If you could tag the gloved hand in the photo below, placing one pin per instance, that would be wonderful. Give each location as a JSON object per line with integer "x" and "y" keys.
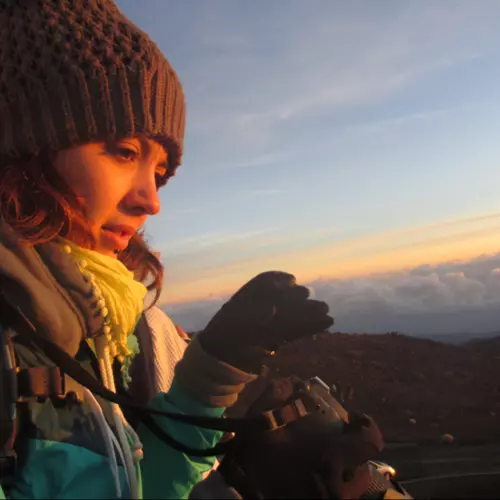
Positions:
{"x": 269, "y": 310}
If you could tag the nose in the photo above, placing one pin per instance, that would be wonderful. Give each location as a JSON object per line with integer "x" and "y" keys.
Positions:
{"x": 151, "y": 203}
{"x": 143, "y": 199}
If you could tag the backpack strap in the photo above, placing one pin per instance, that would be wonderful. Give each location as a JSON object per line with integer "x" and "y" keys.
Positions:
{"x": 8, "y": 413}
{"x": 74, "y": 370}
{"x": 18, "y": 386}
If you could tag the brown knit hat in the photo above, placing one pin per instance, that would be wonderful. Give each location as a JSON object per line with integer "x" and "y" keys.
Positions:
{"x": 77, "y": 71}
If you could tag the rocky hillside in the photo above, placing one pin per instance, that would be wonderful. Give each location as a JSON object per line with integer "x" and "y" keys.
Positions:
{"x": 416, "y": 389}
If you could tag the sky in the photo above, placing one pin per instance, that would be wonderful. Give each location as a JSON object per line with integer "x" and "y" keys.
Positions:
{"x": 349, "y": 143}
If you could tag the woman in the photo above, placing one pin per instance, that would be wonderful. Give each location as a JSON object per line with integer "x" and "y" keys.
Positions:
{"x": 91, "y": 126}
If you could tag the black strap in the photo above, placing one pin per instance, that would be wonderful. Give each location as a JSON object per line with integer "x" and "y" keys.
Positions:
{"x": 8, "y": 468}
{"x": 8, "y": 416}
{"x": 143, "y": 384}
{"x": 73, "y": 368}
{"x": 152, "y": 425}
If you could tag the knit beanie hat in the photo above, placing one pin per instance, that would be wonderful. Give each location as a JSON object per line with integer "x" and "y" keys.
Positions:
{"x": 78, "y": 71}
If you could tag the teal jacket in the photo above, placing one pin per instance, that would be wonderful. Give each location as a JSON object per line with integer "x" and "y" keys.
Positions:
{"x": 53, "y": 468}
{"x": 60, "y": 448}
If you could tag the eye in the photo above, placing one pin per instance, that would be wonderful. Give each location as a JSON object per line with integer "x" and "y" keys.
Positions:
{"x": 126, "y": 153}
{"x": 123, "y": 151}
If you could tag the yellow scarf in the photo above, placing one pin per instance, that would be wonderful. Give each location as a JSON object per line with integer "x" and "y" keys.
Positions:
{"x": 123, "y": 298}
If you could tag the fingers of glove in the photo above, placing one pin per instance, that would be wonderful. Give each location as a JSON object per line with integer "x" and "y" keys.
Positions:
{"x": 292, "y": 305}
{"x": 255, "y": 302}
{"x": 292, "y": 296}
{"x": 279, "y": 279}
{"x": 274, "y": 395}
{"x": 265, "y": 286}
{"x": 318, "y": 326}
{"x": 300, "y": 385}
{"x": 277, "y": 392}
{"x": 283, "y": 388}
{"x": 308, "y": 318}
{"x": 301, "y": 313}
{"x": 293, "y": 321}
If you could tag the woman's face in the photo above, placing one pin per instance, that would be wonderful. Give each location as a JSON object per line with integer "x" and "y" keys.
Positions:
{"x": 117, "y": 183}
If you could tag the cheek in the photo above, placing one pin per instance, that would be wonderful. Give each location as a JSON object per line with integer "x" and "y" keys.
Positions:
{"x": 73, "y": 168}
{"x": 88, "y": 180}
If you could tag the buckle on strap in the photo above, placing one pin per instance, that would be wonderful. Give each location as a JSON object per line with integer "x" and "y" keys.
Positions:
{"x": 289, "y": 413}
{"x": 46, "y": 382}
{"x": 40, "y": 382}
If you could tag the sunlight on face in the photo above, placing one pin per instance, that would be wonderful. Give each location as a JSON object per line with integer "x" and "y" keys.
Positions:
{"x": 117, "y": 183}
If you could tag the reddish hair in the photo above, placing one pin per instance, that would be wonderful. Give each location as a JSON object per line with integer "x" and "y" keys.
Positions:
{"x": 39, "y": 206}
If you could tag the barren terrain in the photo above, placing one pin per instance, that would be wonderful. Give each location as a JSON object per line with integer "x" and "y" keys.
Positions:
{"x": 416, "y": 389}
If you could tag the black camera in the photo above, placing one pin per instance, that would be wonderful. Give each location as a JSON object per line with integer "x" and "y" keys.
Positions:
{"x": 312, "y": 447}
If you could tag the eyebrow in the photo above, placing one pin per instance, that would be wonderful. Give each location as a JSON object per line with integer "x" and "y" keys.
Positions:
{"x": 144, "y": 141}
{"x": 146, "y": 146}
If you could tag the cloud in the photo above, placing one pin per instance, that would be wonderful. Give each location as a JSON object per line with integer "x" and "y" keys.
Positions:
{"x": 451, "y": 297}
{"x": 385, "y": 124}
{"x": 213, "y": 262}
{"x": 263, "y": 160}
{"x": 201, "y": 242}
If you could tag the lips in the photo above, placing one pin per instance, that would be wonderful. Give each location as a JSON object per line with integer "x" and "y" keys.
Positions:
{"x": 117, "y": 236}
{"x": 120, "y": 229}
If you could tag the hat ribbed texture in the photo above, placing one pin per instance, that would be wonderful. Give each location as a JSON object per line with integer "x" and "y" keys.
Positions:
{"x": 76, "y": 71}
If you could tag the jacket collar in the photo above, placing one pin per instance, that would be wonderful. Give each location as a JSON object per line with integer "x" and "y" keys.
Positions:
{"x": 45, "y": 284}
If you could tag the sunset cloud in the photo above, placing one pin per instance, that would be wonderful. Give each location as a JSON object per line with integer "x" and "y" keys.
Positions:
{"x": 453, "y": 297}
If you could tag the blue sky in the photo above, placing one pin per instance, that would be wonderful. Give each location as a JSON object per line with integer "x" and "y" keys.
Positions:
{"x": 331, "y": 139}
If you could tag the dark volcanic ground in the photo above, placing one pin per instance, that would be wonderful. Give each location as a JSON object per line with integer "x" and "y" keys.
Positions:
{"x": 416, "y": 389}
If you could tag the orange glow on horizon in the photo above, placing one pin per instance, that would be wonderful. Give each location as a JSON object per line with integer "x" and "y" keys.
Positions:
{"x": 379, "y": 253}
